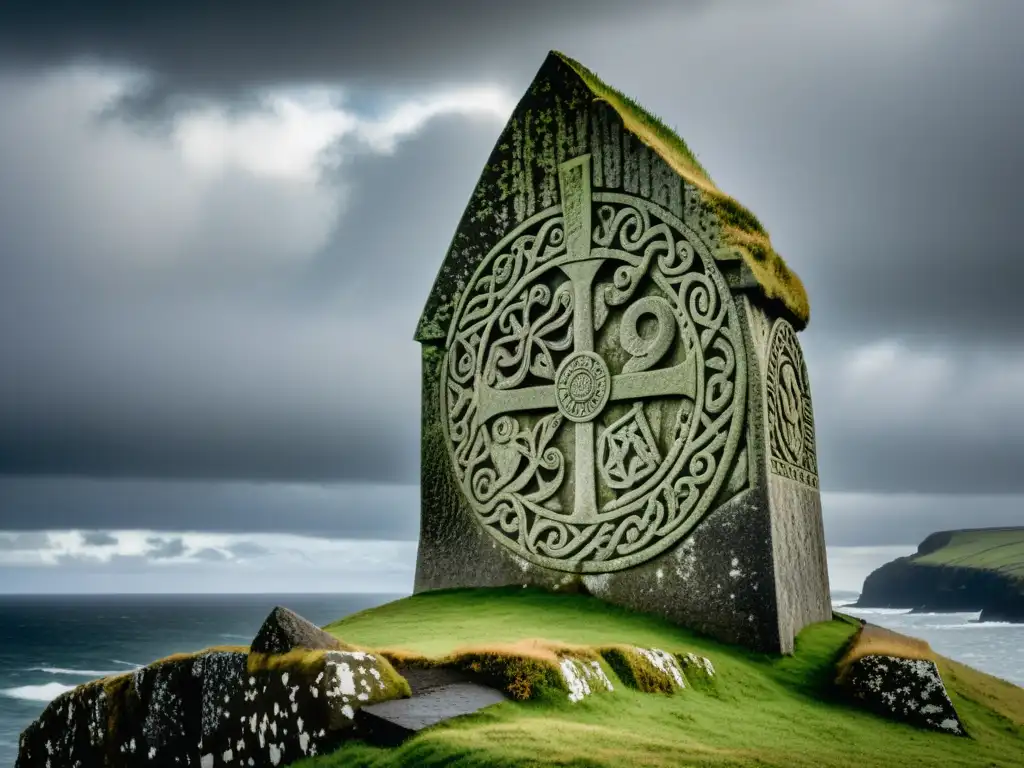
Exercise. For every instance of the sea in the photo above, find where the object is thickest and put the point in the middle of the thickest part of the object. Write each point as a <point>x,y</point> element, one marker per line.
<point>50,644</point>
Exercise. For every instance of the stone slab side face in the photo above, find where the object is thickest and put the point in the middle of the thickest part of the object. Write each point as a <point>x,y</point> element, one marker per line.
<point>789,459</point>
<point>594,394</point>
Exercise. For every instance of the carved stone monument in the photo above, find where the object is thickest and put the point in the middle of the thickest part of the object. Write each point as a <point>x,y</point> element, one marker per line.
<point>614,397</point>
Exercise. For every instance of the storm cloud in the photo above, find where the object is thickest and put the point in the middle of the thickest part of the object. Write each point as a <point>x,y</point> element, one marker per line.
<point>218,226</point>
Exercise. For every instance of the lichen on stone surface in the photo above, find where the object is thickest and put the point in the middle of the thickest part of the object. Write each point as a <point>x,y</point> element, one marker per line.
<point>910,690</point>
<point>212,708</point>
<point>583,677</point>
<point>653,670</point>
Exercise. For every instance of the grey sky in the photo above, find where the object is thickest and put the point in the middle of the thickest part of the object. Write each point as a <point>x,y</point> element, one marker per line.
<point>210,333</point>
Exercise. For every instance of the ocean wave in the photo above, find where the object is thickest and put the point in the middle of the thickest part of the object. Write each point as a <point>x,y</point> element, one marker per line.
<point>131,664</point>
<point>879,611</point>
<point>46,692</point>
<point>76,672</point>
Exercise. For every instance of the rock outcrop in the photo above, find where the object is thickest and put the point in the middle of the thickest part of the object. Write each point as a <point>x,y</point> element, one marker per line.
<point>939,577</point>
<point>653,670</point>
<point>943,588</point>
<point>297,692</point>
<point>896,676</point>
<point>910,690</point>
<point>219,707</point>
<point>284,630</point>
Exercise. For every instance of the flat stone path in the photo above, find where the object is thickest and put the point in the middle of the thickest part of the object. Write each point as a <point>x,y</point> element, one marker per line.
<point>437,695</point>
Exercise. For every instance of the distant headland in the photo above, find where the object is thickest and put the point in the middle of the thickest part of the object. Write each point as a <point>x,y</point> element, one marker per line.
<point>967,570</point>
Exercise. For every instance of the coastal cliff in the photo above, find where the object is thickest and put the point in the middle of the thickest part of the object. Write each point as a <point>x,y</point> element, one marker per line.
<point>968,570</point>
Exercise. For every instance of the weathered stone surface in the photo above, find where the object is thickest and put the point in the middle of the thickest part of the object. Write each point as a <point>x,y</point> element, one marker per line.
<point>608,403</point>
<point>425,680</point>
<point>70,731</point>
<point>653,670</point>
<point>213,708</point>
<point>284,630</point>
<point>584,677</point>
<point>910,690</point>
<point>288,711</point>
<point>149,725</point>
<point>392,722</point>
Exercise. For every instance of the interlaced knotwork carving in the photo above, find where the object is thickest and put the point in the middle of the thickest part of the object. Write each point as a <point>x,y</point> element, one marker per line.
<point>790,419</point>
<point>594,388</point>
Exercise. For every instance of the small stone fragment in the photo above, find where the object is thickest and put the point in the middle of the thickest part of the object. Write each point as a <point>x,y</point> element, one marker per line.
<point>284,630</point>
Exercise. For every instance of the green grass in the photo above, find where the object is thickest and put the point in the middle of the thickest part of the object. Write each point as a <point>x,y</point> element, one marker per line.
<point>763,711</point>
<point>994,549</point>
<point>741,229</point>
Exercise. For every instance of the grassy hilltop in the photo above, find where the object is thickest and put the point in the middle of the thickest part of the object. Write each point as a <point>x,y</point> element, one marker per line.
<point>988,549</point>
<point>762,710</point>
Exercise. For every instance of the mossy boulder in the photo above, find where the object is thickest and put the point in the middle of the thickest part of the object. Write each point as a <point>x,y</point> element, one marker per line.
<point>280,709</point>
<point>584,677</point>
<point>910,690</point>
<point>653,670</point>
<point>897,677</point>
<point>221,706</point>
<point>136,718</point>
<point>72,730</point>
<point>534,670</point>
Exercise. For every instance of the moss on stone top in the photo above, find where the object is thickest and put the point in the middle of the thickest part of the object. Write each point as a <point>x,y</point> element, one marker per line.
<point>527,669</point>
<point>740,228</point>
<point>873,640</point>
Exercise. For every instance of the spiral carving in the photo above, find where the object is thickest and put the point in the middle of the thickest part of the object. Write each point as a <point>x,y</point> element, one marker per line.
<point>789,415</point>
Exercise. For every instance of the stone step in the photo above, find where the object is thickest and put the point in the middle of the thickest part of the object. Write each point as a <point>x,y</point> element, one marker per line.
<point>437,697</point>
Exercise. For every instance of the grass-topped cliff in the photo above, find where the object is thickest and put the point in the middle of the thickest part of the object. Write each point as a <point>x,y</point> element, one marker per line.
<point>988,549</point>
<point>762,710</point>
<point>969,570</point>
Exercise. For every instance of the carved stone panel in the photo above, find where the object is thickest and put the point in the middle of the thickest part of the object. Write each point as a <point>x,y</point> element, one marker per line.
<point>791,449</point>
<point>593,391</point>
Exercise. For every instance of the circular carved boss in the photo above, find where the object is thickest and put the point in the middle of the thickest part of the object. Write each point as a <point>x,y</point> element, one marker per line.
<point>593,393</point>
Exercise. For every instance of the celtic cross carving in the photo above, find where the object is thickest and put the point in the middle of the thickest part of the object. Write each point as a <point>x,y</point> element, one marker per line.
<point>612,350</point>
<point>790,419</point>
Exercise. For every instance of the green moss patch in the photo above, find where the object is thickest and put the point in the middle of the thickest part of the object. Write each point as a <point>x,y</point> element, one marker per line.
<point>652,670</point>
<point>636,671</point>
<point>525,670</point>
<point>740,228</point>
